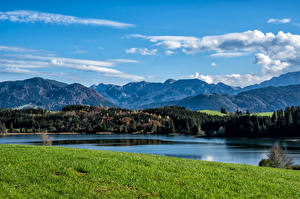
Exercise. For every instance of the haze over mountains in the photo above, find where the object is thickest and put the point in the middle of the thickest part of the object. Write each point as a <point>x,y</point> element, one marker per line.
<point>191,93</point>
<point>292,78</point>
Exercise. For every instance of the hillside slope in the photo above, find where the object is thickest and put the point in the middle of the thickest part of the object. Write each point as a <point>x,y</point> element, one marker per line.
<point>57,172</point>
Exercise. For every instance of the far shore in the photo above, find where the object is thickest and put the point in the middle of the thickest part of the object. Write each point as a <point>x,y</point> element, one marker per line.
<point>60,133</point>
<point>288,139</point>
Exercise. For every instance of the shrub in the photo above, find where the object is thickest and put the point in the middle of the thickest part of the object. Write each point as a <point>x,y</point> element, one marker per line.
<point>295,167</point>
<point>265,163</point>
<point>47,141</point>
<point>277,159</point>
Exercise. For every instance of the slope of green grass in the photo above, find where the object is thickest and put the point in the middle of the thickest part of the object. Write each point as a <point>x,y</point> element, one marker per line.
<point>268,114</point>
<point>54,172</point>
<point>210,112</point>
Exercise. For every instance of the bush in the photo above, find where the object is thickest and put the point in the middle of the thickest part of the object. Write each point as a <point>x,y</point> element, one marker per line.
<point>295,167</point>
<point>47,141</point>
<point>277,159</point>
<point>265,163</point>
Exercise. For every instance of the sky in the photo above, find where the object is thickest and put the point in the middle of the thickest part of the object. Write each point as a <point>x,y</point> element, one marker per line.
<point>235,42</point>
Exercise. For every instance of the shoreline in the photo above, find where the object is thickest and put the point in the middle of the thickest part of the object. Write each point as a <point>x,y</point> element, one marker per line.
<point>288,139</point>
<point>62,133</point>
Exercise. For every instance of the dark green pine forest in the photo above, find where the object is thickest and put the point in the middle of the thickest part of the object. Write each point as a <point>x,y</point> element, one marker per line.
<point>166,120</point>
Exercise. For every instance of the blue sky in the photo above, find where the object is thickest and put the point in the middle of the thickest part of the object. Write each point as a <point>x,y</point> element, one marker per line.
<point>92,42</point>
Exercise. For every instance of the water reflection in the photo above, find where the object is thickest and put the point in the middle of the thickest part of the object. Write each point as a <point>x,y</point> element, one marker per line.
<point>263,143</point>
<point>113,142</point>
<point>239,150</point>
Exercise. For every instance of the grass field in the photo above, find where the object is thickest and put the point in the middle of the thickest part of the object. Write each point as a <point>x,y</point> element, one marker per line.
<point>54,172</point>
<point>268,114</point>
<point>210,112</point>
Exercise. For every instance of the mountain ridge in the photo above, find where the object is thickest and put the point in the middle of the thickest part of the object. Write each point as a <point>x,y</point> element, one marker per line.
<point>47,94</point>
<point>138,94</point>
<point>266,99</point>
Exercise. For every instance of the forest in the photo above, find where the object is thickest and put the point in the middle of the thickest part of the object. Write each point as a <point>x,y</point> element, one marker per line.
<point>165,120</point>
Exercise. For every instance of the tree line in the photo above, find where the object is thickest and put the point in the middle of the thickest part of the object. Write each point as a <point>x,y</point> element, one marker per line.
<point>165,120</point>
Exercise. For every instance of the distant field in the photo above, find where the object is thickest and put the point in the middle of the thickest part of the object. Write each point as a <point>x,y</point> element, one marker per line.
<point>210,112</point>
<point>269,114</point>
<point>57,172</point>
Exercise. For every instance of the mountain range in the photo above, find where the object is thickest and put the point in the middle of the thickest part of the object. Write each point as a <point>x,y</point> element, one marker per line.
<point>139,94</point>
<point>292,78</point>
<point>184,92</point>
<point>194,94</point>
<point>257,100</point>
<point>47,94</point>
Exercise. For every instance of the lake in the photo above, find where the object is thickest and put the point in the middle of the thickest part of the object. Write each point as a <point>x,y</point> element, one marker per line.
<point>230,150</point>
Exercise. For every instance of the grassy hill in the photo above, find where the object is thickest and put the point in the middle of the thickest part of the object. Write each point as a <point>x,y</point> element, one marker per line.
<point>54,172</point>
<point>269,114</point>
<point>211,112</point>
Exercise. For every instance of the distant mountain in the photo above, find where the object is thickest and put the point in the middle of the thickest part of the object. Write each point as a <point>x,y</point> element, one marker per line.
<point>48,94</point>
<point>257,100</point>
<point>138,94</point>
<point>292,78</point>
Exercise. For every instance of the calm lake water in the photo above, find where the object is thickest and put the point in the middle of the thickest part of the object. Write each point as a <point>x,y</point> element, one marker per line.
<point>238,150</point>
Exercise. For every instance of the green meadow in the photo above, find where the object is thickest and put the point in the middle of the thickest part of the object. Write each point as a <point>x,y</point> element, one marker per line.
<point>218,113</point>
<point>57,172</point>
<point>211,112</point>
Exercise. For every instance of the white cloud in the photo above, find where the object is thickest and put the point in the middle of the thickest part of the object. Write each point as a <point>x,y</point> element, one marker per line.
<point>169,52</point>
<point>213,64</point>
<point>276,53</point>
<point>207,78</point>
<point>279,21</point>
<point>142,51</point>
<point>123,60</point>
<point>232,79</point>
<point>229,54</point>
<point>62,60</point>
<point>79,51</point>
<point>15,49</point>
<point>18,71</point>
<point>131,50</point>
<point>270,65</point>
<point>20,63</point>
<point>28,16</point>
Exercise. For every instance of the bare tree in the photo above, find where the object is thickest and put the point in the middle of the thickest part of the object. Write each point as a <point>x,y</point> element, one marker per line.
<point>47,141</point>
<point>278,159</point>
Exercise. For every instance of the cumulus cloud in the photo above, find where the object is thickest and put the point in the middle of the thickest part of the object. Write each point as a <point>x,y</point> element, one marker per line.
<point>24,63</point>
<point>213,64</point>
<point>207,78</point>
<point>142,51</point>
<point>275,53</point>
<point>279,21</point>
<point>28,16</point>
<point>232,79</point>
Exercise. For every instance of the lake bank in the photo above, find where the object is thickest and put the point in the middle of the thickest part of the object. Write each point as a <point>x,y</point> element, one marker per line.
<point>49,172</point>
